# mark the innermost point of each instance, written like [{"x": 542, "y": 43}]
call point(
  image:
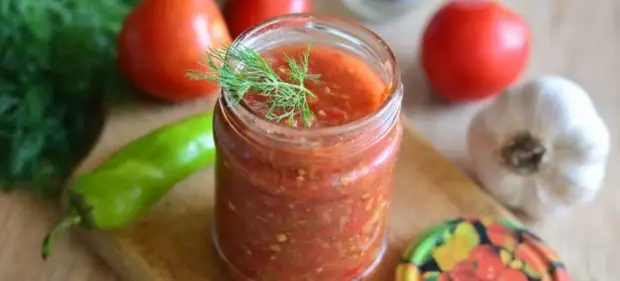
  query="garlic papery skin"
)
[{"x": 541, "y": 147}]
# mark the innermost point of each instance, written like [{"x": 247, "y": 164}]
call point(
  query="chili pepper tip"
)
[{"x": 62, "y": 225}]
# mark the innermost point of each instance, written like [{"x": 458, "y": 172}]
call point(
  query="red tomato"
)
[
  {"x": 474, "y": 49},
  {"x": 242, "y": 14},
  {"x": 162, "y": 39}
]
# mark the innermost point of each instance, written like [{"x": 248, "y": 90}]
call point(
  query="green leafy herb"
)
[
  {"x": 284, "y": 99},
  {"x": 56, "y": 57}
]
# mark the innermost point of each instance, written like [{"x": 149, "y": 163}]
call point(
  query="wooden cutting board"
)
[{"x": 172, "y": 242}]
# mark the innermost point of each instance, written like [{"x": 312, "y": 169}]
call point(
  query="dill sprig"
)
[{"x": 284, "y": 99}]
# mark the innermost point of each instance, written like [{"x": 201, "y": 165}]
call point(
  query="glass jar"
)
[{"x": 306, "y": 204}]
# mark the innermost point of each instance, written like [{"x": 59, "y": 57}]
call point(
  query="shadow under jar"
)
[{"x": 299, "y": 203}]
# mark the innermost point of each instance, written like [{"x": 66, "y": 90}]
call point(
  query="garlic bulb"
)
[{"x": 541, "y": 147}]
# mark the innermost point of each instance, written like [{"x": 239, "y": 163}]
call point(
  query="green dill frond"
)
[{"x": 285, "y": 100}]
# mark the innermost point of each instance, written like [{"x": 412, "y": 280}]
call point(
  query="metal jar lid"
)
[{"x": 466, "y": 249}]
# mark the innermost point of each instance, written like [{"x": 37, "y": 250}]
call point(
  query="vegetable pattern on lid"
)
[{"x": 468, "y": 249}]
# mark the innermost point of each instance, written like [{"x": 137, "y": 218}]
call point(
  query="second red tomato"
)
[
  {"x": 474, "y": 49},
  {"x": 242, "y": 14},
  {"x": 163, "y": 39}
]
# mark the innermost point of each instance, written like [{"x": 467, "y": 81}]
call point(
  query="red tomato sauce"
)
[
  {"x": 317, "y": 214},
  {"x": 346, "y": 90}
]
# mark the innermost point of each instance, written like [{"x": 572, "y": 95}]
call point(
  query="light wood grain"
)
[
  {"x": 575, "y": 38},
  {"x": 173, "y": 241},
  {"x": 24, "y": 220}
]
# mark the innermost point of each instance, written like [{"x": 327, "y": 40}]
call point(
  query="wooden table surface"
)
[{"x": 575, "y": 38}]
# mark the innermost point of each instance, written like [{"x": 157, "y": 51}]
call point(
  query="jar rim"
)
[{"x": 394, "y": 85}]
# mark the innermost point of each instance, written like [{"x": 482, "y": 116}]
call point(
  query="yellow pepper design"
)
[{"x": 457, "y": 247}]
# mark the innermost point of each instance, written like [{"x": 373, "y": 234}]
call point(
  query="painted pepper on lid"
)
[{"x": 480, "y": 249}]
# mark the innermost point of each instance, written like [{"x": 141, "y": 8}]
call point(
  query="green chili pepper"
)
[{"x": 136, "y": 177}]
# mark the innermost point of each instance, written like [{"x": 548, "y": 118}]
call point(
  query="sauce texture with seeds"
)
[{"x": 318, "y": 213}]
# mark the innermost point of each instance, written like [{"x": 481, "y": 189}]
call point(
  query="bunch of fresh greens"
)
[{"x": 56, "y": 57}]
